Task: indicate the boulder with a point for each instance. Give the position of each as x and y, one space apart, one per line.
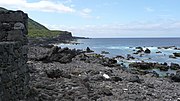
97 78
104 52
88 50
120 57
166 47
142 65
176 54
172 56
64 55
155 74
177 48
134 79
158 52
162 67
139 50
130 57
106 91
176 78
148 51
116 78
37 53
109 62
54 73
112 61
174 66
57 74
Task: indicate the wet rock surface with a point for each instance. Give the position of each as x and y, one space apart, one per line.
176 78
148 51
176 54
175 66
147 65
85 78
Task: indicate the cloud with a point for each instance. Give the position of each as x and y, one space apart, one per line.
68 1
148 9
161 29
42 5
86 13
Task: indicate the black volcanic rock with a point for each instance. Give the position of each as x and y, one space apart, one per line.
148 51
134 79
85 78
174 66
142 65
145 65
162 67
55 53
57 73
172 56
176 78
176 54
88 50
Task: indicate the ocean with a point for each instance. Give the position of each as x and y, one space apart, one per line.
124 46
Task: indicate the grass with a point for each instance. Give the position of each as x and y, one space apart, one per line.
36 29
35 33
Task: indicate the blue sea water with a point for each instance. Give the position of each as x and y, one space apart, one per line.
124 46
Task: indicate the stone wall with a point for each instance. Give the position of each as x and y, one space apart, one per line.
14 74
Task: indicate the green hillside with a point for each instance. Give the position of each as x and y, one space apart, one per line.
36 29
35 25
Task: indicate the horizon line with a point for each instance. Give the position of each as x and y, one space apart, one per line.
132 37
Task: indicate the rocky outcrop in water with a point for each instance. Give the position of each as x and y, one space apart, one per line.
176 54
174 66
145 66
148 51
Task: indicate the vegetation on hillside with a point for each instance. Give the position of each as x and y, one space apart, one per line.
34 33
37 30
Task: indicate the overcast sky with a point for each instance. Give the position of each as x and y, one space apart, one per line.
105 18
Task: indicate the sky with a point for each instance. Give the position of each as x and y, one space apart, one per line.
104 18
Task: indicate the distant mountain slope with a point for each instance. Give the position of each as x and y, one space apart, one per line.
38 30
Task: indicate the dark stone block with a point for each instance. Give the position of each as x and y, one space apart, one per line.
14 74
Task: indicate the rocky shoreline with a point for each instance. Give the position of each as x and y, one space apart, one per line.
51 73
62 74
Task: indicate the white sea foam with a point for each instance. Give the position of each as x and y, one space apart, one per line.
118 47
